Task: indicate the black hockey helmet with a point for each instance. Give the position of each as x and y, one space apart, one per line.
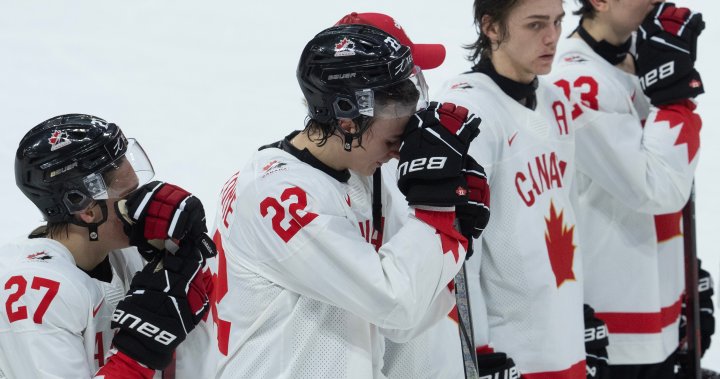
64 163
342 69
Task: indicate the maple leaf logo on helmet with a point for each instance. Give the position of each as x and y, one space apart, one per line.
344 48
58 139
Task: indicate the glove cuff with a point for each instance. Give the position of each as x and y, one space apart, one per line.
133 347
687 87
446 192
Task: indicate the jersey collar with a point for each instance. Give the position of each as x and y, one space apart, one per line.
305 156
611 53
520 92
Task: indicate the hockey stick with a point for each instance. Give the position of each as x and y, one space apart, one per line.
692 310
465 325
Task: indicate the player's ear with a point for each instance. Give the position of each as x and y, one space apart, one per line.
490 28
599 5
90 215
347 125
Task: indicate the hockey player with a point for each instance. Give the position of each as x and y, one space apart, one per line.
61 286
302 289
411 358
530 273
636 159
435 352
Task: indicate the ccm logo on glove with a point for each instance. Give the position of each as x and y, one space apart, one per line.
432 163
143 327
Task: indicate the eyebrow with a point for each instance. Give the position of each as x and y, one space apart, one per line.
543 17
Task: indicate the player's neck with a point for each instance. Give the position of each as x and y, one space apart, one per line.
508 69
600 30
87 254
330 154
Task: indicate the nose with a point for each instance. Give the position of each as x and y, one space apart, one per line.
553 34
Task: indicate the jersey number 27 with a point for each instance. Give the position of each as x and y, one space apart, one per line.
20 284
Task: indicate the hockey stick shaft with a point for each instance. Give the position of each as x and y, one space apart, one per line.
692 309
465 325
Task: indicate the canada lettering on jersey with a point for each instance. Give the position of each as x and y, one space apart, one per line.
372 236
228 198
544 172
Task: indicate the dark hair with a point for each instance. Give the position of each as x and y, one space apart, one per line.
401 94
498 11
586 9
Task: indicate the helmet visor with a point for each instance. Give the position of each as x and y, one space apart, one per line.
125 175
398 100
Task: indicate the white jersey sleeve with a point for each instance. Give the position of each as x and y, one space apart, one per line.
648 168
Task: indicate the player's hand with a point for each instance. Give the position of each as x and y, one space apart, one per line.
474 215
665 54
432 155
161 211
165 302
596 342
707 312
496 365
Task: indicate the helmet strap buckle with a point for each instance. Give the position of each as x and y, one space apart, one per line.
93 234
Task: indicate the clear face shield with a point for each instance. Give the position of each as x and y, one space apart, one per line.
124 175
398 100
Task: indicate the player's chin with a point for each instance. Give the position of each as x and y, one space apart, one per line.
543 65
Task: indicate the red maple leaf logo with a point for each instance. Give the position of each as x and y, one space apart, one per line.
450 239
561 250
342 44
690 124
55 136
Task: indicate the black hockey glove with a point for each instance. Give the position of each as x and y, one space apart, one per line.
665 54
474 215
596 342
433 153
707 310
496 365
160 211
165 302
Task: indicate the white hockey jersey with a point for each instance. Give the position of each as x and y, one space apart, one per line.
299 290
627 174
56 318
531 269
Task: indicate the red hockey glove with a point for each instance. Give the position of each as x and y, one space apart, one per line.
474 215
432 155
665 54
163 211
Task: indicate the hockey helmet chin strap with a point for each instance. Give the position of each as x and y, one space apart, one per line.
377 177
93 226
